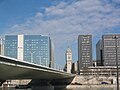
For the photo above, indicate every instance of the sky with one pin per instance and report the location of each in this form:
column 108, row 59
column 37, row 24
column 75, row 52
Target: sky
column 63, row 20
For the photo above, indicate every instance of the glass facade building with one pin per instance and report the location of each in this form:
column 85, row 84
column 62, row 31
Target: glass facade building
column 31, row 48
column 85, row 50
column 10, row 47
column 99, row 53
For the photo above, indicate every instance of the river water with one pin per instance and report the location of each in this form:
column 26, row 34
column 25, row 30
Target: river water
column 5, row 88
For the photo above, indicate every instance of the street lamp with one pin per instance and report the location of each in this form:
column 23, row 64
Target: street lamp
column 116, row 37
column 31, row 56
column 40, row 60
column 1, row 42
column 55, row 66
column 46, row 63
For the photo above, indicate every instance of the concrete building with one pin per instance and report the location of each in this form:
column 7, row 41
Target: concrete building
column 68, row 56
column 85, row 50
column 99, row 71
column 109, row 49
column 94, row 63
column 107, row 55
column 1, row 46
column 52, row 58
column 0, row 49
column 99, row 53
column 75, row 67
column 31, row 48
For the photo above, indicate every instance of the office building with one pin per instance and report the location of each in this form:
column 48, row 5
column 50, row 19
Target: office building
column 31, row 48
column 107, row 71
column 109, row 49
column 85, row 50
column 75, row 67
column 0, row 49
column 2, row 46
column 99, row 53
column 68, row 56
column 51, row 54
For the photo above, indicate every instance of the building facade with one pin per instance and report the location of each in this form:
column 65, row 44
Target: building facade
column 68, row 56
column 31, row 48
column 2, row 46
column 85, row 50
column 11, row 45
column 0, row 49
column 99, row 53
column 75, row 67
column 99, row 71
column 109, row 49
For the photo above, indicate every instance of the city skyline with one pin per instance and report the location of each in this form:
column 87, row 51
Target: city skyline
column 64, row 20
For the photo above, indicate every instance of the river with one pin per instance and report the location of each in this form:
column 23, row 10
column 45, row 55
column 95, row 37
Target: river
column 5, row 88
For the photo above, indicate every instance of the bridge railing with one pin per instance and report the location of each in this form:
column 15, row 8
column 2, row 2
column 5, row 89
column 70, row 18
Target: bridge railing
column 55, row 65
column 58, row 67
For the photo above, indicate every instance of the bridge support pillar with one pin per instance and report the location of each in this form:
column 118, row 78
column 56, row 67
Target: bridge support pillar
column 41, row 85
column 2, row 81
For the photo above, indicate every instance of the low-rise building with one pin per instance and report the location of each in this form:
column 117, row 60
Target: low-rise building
column 99, row 70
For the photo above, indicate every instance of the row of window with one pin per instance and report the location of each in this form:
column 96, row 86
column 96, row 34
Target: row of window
column 37, row 58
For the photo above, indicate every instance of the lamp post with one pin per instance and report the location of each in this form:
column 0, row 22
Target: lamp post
column 46, row 63
column 31, row 56
column 115, row 37
column 1, row 46
column 40, row 60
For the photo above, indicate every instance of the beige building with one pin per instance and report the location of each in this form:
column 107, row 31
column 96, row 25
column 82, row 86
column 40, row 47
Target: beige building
column 68, row 56
column 99, row 71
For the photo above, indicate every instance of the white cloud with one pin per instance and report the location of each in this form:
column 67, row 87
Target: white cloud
column 38, row 14
column 66, row 21
column 56, row 10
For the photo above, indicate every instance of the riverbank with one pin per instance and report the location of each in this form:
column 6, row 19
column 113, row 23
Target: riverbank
column 94, row 80
column 90, row 86
column 70, row 87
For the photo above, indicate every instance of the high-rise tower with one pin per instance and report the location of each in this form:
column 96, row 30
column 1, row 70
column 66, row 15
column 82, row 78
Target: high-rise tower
column 106, row 50
column 109, row 49
column 99, row 53
column 85, row 50
column 36, row 49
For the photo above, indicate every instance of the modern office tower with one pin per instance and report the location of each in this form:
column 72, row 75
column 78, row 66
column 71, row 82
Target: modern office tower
column 75, row 68
column 11, row 45
column 85, row 50
column 0, row 49
column 109, row 49
column 99, row 53
column 68, row 56
column 32, row 48
column 51, row 54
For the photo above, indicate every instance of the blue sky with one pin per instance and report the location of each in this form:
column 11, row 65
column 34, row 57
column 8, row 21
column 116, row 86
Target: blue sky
column 64, row 20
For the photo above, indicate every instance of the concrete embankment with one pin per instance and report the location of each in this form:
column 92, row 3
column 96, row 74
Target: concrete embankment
column 92, row 82
column 89, row 86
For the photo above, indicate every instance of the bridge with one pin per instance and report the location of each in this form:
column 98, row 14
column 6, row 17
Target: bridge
column 11, row 69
